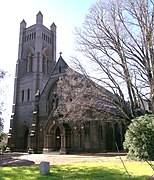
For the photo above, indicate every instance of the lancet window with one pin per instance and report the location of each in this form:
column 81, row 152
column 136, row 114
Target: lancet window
column 29, row 63
column 45, row 64
column 54, row 103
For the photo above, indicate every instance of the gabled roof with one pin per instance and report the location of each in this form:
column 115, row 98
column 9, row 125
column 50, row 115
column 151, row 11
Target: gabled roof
column 60, row 63
column 58, row 70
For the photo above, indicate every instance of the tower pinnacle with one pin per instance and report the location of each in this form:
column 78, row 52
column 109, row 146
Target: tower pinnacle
column 39, row 18
column 23, row 24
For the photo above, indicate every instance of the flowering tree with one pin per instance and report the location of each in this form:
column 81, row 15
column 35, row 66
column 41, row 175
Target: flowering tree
column 82, row 100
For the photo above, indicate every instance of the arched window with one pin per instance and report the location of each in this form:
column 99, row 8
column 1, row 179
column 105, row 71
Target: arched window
column 29, row 63
column 22, row 96
column 28, row 94
column 28, row 37
column 59, row 69
column 55, row 101
column 34, row 35
column 45, row 64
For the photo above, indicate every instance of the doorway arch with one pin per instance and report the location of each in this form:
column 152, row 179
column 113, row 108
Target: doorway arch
column 25, row 144
column 23, row 138
column 57, row 139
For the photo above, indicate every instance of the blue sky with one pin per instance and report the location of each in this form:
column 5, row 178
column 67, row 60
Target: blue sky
column 66, row 14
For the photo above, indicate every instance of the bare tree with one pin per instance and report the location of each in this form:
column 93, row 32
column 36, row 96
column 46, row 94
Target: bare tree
column 2, row 74
column 117, row 38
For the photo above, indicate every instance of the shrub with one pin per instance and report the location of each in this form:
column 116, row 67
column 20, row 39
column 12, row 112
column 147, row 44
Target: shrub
column 139, row 138
column 3, row 142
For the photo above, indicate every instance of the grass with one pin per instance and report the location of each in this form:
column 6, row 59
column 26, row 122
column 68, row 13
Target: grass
column 86, row 171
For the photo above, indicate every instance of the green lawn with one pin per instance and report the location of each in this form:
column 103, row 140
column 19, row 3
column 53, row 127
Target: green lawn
column 86, row 171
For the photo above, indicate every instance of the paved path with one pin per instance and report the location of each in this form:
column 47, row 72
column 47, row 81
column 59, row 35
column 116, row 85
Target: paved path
column 18, row 159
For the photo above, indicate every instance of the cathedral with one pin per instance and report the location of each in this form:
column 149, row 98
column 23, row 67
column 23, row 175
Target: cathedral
column 33, row 128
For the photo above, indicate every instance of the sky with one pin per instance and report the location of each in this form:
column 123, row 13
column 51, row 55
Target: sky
column 66, row 14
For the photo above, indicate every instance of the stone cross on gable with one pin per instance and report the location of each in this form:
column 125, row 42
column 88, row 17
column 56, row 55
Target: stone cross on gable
column 60, row 54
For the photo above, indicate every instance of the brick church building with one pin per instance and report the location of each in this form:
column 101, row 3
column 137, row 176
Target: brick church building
column 32, row 126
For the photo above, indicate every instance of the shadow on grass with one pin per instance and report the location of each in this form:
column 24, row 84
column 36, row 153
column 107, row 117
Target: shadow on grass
column 66, row 172
column 15, row 162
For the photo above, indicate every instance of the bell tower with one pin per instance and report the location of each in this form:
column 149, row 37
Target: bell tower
column 36, row 59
